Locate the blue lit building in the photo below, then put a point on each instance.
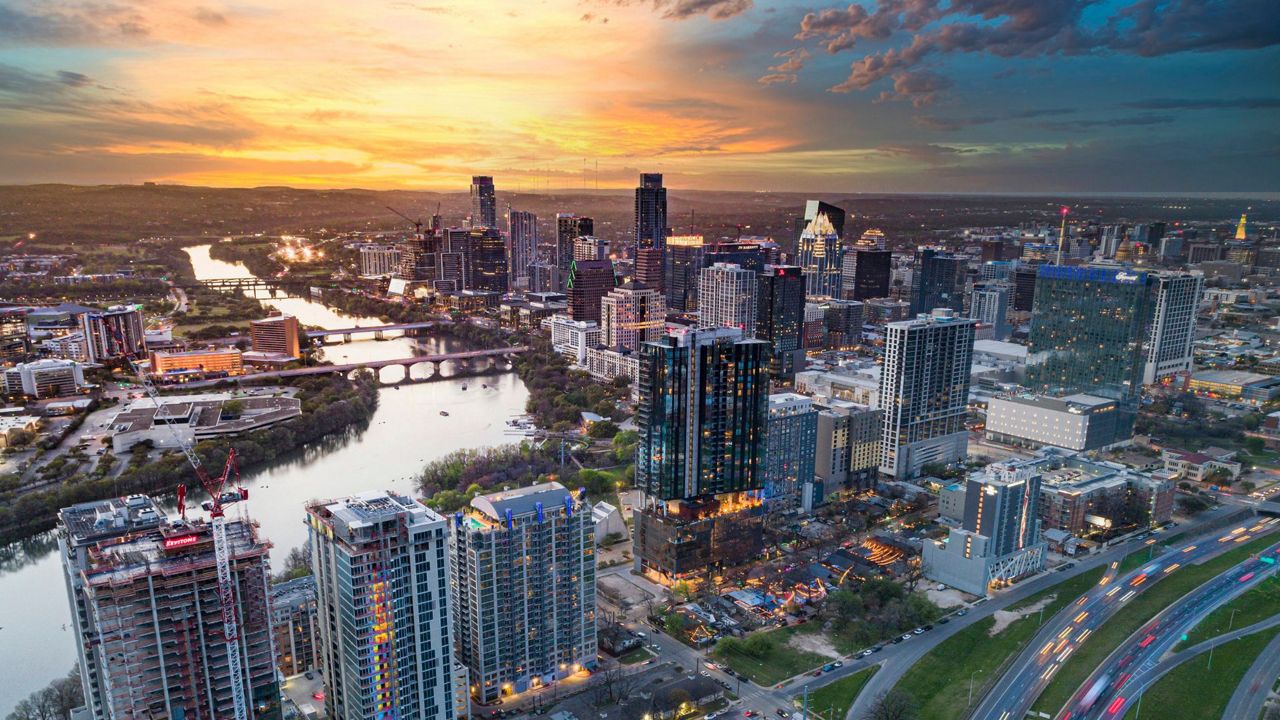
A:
(792, 439)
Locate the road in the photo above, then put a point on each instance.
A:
(1255, 686)
(1106, 694)
(1013, 695)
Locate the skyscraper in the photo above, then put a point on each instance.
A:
(147, 615)
(651, 212)
(999, 540)
(683, 262)
(522, 231)
(792, 438)
(1173, 324)
(484, 203)
(821, 256)
(631, 314)
(385, 612)
(843, 320)
(780, 317)
(865, 274)
(938, 281)
(486, 254)
(1089, 330)
(1024, 287)
(990, 306)
(589, 281)
(727, 297)
(649, 267)
(524, 580)
(113, 333)
(590, 247)
(835, 215)
(924, 390)
(701, 417)
(569, 227)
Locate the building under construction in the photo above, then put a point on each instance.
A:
(148, 620)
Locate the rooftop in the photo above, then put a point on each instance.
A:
(521, 501)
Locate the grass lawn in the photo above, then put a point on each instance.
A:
(833, 701)
(780, 663)
(939, 682)
(1194, 690)
(638, 655)
(1131, 617)
(1257, 604)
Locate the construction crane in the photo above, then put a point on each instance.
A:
(218, 524)
(417, 224)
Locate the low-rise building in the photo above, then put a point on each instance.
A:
(212, 362)
(1074, 422)
(195, 418)
(1251, 387)
(607, 365)
(44, 378)
(1200, 466)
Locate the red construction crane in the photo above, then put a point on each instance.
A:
(218, 524)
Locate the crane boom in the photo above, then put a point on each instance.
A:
(218, 525)
(417, 224)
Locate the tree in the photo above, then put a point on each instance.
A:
(602, 429)
(892, 705)
(1193, 504)
(54, 702)
(757, 644)
(676, 624)
(1255, 445)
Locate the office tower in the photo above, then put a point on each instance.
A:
(821, 256)
(843, 323)
(990, 306)
(378, 260)
(779, 318)
(589, 281)
(486, 260)
(649, 267)
(569, 227)
(1089, 330)
(651, 212)
(727, 297)
(815, 208)
(544, 277)
(1024, 287)
(865, 274)
(631, 314)
(524, 580)
(848, 448)
(1198, 252)
(522, 231)
(747, 255)
(113, 333)
(872, 239)
(938, 281)
(814, 333)
(484, 204)
(924, 391)
(278, 334)
(295, 626)
(45, 378)
(997, 250)
(999, 539)
(589, 247)
(701, 415)
(147, 616)
(997, 270)
(384, 607)
(682, 263)
(1173, 325)
(792, 436)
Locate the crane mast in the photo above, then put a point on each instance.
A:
(218, 526)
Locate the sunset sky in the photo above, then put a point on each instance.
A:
(887, 96)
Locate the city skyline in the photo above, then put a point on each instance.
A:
(728, 94)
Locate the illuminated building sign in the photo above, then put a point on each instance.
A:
(180, 541)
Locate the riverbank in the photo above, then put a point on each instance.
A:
(331, 405)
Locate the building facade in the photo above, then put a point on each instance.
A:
(990, 306)
(484, 202)
(651, 212)
(938, 280)
(379, 260)
(1075, 422)
(821, 256)
(385, 612)
(1176, 299)
(522, 252)
(681, 265)
(279, 334)
(589, 281)
(779, 318)
(924, 390)
(631, 314)
(114, 333)
(727, 297)
(865, 274)
(569, 227)
(293, 621)
(44, 378)
(789, 458)
(524, 580)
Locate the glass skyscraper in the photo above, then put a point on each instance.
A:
(938, 281)
(779, 318)
(821, 256)
(651, 212)
(484, 203)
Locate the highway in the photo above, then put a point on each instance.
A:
(1016, 691)
(1247, 701)
(1107, 693)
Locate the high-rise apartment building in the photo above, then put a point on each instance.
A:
(990, 306)
(569, 227)
(727, 297)
(924, 391)
(484, 202)
(792, 437)
(279, 334)
(780, 318)
(486, 258)
(631, 314)
(113, 333)
(293, 621)
(589, 247)
(938, 281)
(649, 267)
(385, 613)
(147, 616)
(1173, 325)
(999, 539)
(865, 274)
(702, 416)
(1089, 331)
(843, 323)
(524, 583)
(379, 260)
(847, 455)
(589, 281)
(522, 252)
(651, 212)
(821, 255)
(682, 263)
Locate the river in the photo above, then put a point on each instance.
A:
(407, 430)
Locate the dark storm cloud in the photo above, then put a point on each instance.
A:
(1033, 28)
